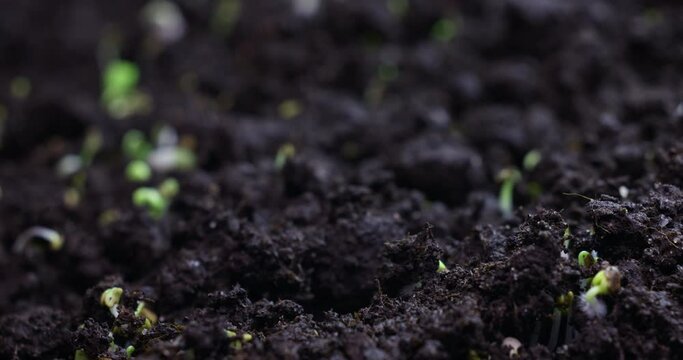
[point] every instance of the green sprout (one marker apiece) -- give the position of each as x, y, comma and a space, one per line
567, 237
169, 188
237, 342
76, 166
149, 315
286, 152
138, 171
606, 281
445, 30
130, 350
509, 177
80, 355
120, 95
156, 200
152, 200
442, 268
586, 259
20, 87
531, 160
110, 298
289, 109
135, 145
54, 240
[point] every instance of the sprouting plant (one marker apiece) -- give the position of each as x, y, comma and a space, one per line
289, 109
130, 350
150, 199
76, 166
80, 355
54, 240
169, 158
138, 171
442, 268
135, 145
606, 281
156, 200
236, 341
143, 311
286, 152
531, 160
445, 29
110, 298
509, 177
512, 345
169, 188
566, 236
586, 259
120, 95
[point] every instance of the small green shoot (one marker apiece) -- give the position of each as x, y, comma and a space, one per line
445, 29
135, 145
152, 200
237, 342
604, 282
138, 171
531, 160
156, 200
289, 109
286, 152
80, 355
509, 177
120, 95
567, 237
585, 259
170, 158
169, 188
442, 268
110, 298
130, 350
20, 87
54, 240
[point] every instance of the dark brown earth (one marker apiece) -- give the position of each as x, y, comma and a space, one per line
399, 141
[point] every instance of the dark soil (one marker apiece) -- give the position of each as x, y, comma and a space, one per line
399, 141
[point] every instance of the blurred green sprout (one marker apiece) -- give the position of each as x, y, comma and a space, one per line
286, 152
52, 238
138, 171
225, 16
156, 200
509, 178
120, 95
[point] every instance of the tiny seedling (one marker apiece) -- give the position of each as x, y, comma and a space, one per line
54, 240
512, 345
289, 109
120, 95
509, 177
442, 268
531, 160
138, 171
156, 200
169, 158
143, 311
586, 259
286, 152
130, 350
150, 199
80, 355
566, 236
606, 281
135, 145
236, 342
110, 298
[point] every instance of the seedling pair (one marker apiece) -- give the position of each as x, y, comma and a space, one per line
236, 342
510, 177
145, 158
156, 200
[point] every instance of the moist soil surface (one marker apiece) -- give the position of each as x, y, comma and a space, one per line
402, 115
